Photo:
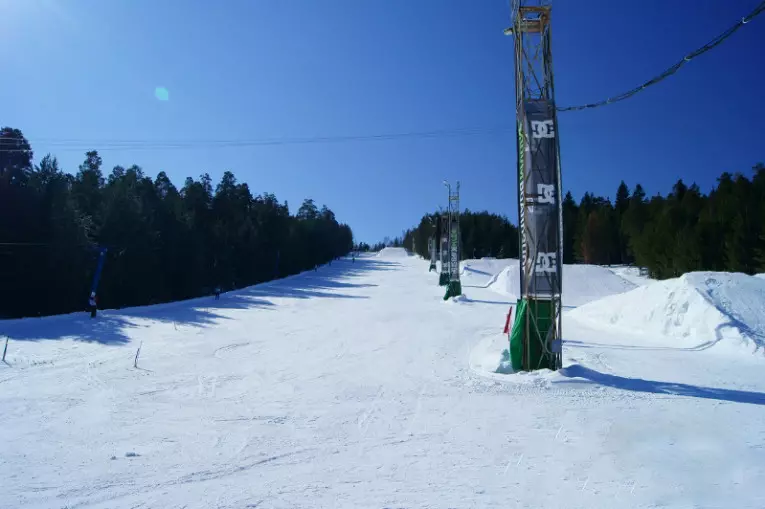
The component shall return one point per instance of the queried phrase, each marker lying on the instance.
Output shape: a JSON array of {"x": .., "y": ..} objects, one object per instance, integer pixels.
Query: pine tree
[
  {"x": 621, "y": 205},
  {"x": 633, "y": 221},
  {"x": 591, "y": 247},
  {"x": 737, "y": 258},
  {"x": 87, "y": 188},
  {"x": 570, "y": 213}
]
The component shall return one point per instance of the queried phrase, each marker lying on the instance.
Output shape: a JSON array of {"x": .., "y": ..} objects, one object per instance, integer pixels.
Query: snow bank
[
  {"x": 706, "y": 306},
  {"x": 489, "y": 266},
  {"x": 483, "y": 272},
  {"x": 392, "y": 252},
  {"x": 581, "y": 283},
  {"x": 631, "y": 274}
]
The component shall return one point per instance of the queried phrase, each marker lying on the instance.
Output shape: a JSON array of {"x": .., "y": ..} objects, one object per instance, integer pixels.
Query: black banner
[
  {"x": 539, "y": 179},
  {"x": 445, "y": 254},
  {"x": 454, "y": 248}
]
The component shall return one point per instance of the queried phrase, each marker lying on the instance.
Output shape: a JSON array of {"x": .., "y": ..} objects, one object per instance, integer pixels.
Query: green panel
[
  {"x": 443, "y": 279},
  {"x": 540, "y": 322},
  {"x": 453, "y": 289},
  {"x": 540, "y": 315}
]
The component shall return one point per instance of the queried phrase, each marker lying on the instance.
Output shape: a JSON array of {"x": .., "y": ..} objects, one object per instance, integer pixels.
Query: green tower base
[
  {"x": 443, "y": 279},
  {"x": 453, "y": 289},
  {"x": 540, "y": 314},
  {"x": 432, "y": 267}
]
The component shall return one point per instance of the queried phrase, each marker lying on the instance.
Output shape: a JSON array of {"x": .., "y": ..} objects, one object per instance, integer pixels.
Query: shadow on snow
[
  {"x": 479, "y": 301},
  {"x": 111, "y": 326},
  {"x": 656, "y": 387}
]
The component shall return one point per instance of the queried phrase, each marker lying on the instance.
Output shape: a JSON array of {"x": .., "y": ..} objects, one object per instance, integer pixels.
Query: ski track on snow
[{"x": 357, "y": 386}]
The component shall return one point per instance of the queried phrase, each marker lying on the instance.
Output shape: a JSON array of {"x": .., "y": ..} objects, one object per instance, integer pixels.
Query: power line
[
  {"x": 23, "y": 244},
  {"x": 9, "y": 144},
  {"x": 673, "y": 69}
]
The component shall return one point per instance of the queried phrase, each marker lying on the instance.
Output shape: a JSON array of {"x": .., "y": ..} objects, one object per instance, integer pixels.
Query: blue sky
[{"x": 256, "y": 69}]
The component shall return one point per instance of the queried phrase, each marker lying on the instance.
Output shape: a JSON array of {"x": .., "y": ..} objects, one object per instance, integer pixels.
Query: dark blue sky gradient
[{"x": 256, "y": 69}]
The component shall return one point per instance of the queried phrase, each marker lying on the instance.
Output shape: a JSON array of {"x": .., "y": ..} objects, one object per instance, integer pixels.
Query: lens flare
[{"x": 162, "y": 94}]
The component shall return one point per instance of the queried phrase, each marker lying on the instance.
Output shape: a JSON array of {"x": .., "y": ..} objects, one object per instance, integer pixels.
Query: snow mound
[
  {"x": 631, "y": 274},
  {"x": 486, "y": 266},
  {"x": 483, "y": 272},
  {"x": 581, "y": 283},
  {"x": 392, "y": 252},
  {"x": 706, "y": 306}
]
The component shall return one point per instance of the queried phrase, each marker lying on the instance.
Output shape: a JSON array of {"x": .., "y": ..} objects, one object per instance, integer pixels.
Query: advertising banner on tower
[
  {"x": 444, "y": 248},
  {"x": 444, "y": 254},
  {"x": 454, "y": 247},
  {"x": 541, "y": 248}
]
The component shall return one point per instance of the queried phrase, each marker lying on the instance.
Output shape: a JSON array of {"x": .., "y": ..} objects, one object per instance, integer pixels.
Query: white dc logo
[
  {"x": 545, "y": 193},
  {"x": 543, "y": 129},
  {"x": 546, "y": 262}
]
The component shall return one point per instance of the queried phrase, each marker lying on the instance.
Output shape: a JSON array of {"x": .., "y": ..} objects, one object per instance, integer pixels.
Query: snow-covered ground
[
  {"x": 631, "y": 274},
  {"x": 358, "y": 386},
  {"x": 392, "y": 252},
  {"x": 484, "y": 272},
  {"x": 700, "y": 306},
  {"x": 581, "y": 283}
]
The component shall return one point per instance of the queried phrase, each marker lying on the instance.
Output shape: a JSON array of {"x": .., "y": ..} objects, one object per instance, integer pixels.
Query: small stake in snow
[
  {"x": 137, "y": 353},
  {"x": 5, "y": 350}
]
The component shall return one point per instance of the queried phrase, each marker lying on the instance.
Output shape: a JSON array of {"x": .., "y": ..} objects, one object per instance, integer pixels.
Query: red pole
[{"x": 507, "y": 321}]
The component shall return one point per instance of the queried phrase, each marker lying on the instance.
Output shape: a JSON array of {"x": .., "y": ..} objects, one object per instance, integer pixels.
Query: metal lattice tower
[
  {"x": 536, "y": 337},
  {"x": 432, "y": 244},
  {"x": 454, "y": 286},
  {"x": 443, "y": 277}
]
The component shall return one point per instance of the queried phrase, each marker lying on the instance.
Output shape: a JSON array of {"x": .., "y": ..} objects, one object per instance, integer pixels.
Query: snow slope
[
  {"x": 631, "y": 274},
  {"x": 392, "y": 252},
  {"x": 703, "y": 306},
  {"x": 357, "y": 386},
  {"x": 581, "y": 283},
  {"x": 482, "y": 272}
]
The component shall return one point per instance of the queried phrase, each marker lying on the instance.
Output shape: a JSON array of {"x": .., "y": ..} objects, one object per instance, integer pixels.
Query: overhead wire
[
  {"x": 10, "y": 144},
  {"x": 674, "y": 68}
]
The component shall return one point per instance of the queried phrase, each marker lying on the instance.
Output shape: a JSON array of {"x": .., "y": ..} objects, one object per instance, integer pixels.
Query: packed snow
[
  {"x": 358, "y": 386},
  {"x": 581, "y": 283},
  {"x": 632, "y": 274},
  {"x": 703, "y": 307},
  {"x": 483, "y": 272},
  {"x": 392, "y": 252}
]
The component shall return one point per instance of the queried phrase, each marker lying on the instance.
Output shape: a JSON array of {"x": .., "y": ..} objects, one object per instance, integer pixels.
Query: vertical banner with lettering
[
  {"x": 541, "y": 249},
  {"x": 444, "y": 244},
  {"x": 454, "y": 246}
]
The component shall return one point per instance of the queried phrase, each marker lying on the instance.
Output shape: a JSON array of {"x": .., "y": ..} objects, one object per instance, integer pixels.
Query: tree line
[
  {"x": 482, "y": 234},
  {"x": 686, "y": 230},
  {"x": 163, "y": 243}
]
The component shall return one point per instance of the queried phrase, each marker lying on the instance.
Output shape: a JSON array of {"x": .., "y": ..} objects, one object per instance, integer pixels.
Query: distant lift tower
[
  {"x": 454, "y": 286},
  {"x": 432, "y": 251},
  {"x": 443, "y": 277},
  {"x": 535, "y": 339}
]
